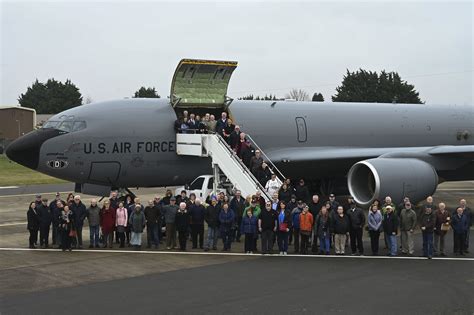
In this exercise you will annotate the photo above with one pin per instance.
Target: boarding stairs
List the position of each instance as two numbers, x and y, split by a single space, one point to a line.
224 160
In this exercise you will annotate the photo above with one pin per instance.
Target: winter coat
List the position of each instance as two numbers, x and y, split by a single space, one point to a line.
428 222
390 223
375 220
302 193
340 225
64 218
238 206
44 215
287 219
323 225
182 221
153 215
249 225
137 221
268 219
407 219
285 195
226 219
295 217
121 217
80 213
197 214
356 217
460 224
107 220
211 216
93 215
306 221
255 163
33 220
169 212
440 219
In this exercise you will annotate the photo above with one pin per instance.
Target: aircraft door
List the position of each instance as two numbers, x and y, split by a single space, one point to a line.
106 172
301 132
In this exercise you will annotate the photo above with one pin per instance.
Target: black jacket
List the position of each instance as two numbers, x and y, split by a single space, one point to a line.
390 223
428 221
340 225
268 219
44 215
211 216
323 226
33 220
238 206
356 217
153 214
80 212
182 221
302 193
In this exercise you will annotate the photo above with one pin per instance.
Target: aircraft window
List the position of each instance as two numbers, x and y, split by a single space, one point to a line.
79 125
65 126
197 184
50 124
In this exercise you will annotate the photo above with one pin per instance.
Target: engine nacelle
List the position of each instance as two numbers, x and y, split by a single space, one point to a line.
395 177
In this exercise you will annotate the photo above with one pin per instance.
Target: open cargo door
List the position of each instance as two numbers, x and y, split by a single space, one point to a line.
201 83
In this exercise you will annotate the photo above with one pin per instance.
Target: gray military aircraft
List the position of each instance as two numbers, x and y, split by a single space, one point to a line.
372 149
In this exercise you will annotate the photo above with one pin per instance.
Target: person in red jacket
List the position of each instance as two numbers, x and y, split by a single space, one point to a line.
107 223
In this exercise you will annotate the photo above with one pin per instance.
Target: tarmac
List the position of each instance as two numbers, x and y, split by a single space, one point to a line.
171 282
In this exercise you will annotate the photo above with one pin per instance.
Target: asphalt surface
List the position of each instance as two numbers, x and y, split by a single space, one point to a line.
270 285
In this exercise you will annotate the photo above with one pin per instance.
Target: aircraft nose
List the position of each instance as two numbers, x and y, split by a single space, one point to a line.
26 149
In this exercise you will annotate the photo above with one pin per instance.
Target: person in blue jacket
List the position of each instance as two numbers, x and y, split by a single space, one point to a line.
249 229
226 219
460 225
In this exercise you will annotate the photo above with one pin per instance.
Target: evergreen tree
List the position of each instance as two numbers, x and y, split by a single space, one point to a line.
146 93
51 97
318 97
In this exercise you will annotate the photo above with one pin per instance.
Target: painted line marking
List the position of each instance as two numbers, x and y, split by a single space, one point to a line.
229 254
8 187
13 224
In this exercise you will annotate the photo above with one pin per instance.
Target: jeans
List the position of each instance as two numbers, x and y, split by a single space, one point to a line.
296 239
152 235
94 235
356 240
211 237
427 244
79 235
392 243
324 241
249 242
283 241
408 245
267 241
108 238
374 241
197 231
226 232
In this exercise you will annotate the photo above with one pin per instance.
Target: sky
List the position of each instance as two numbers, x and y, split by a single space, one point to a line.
110 49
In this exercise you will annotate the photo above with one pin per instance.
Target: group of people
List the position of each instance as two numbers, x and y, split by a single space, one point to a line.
286 219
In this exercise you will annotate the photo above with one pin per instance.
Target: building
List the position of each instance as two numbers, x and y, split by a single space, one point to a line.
15 121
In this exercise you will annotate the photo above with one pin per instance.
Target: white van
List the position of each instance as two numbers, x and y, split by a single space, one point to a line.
202 187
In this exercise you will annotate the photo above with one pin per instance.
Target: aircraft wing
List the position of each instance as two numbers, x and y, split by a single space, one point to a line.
306 154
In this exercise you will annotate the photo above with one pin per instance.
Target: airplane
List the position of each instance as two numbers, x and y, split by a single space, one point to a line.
369 150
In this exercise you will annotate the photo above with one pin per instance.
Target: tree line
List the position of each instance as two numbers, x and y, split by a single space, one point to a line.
358 86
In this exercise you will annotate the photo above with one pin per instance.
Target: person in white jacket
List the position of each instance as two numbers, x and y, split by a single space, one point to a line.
273 185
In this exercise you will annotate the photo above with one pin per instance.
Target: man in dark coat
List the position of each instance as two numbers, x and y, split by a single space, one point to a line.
357 221
238 205
302 192
221 124
80 212
153 224
234 137
45 218
182 225
211 216
197 213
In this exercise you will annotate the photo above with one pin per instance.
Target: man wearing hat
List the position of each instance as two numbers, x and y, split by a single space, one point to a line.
427 225
169 213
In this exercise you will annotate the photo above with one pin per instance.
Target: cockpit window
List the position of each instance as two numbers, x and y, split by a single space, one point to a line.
51 124
79 125
65 126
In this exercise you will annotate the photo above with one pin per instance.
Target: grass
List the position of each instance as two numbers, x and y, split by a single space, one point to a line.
14 174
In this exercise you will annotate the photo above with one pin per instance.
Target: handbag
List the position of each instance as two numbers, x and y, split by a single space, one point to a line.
283 227
445 227
72 233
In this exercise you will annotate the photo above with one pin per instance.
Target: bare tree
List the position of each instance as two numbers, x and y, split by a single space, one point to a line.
88 100
298 95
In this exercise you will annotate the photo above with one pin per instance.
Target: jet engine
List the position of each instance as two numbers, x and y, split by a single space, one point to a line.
395 177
